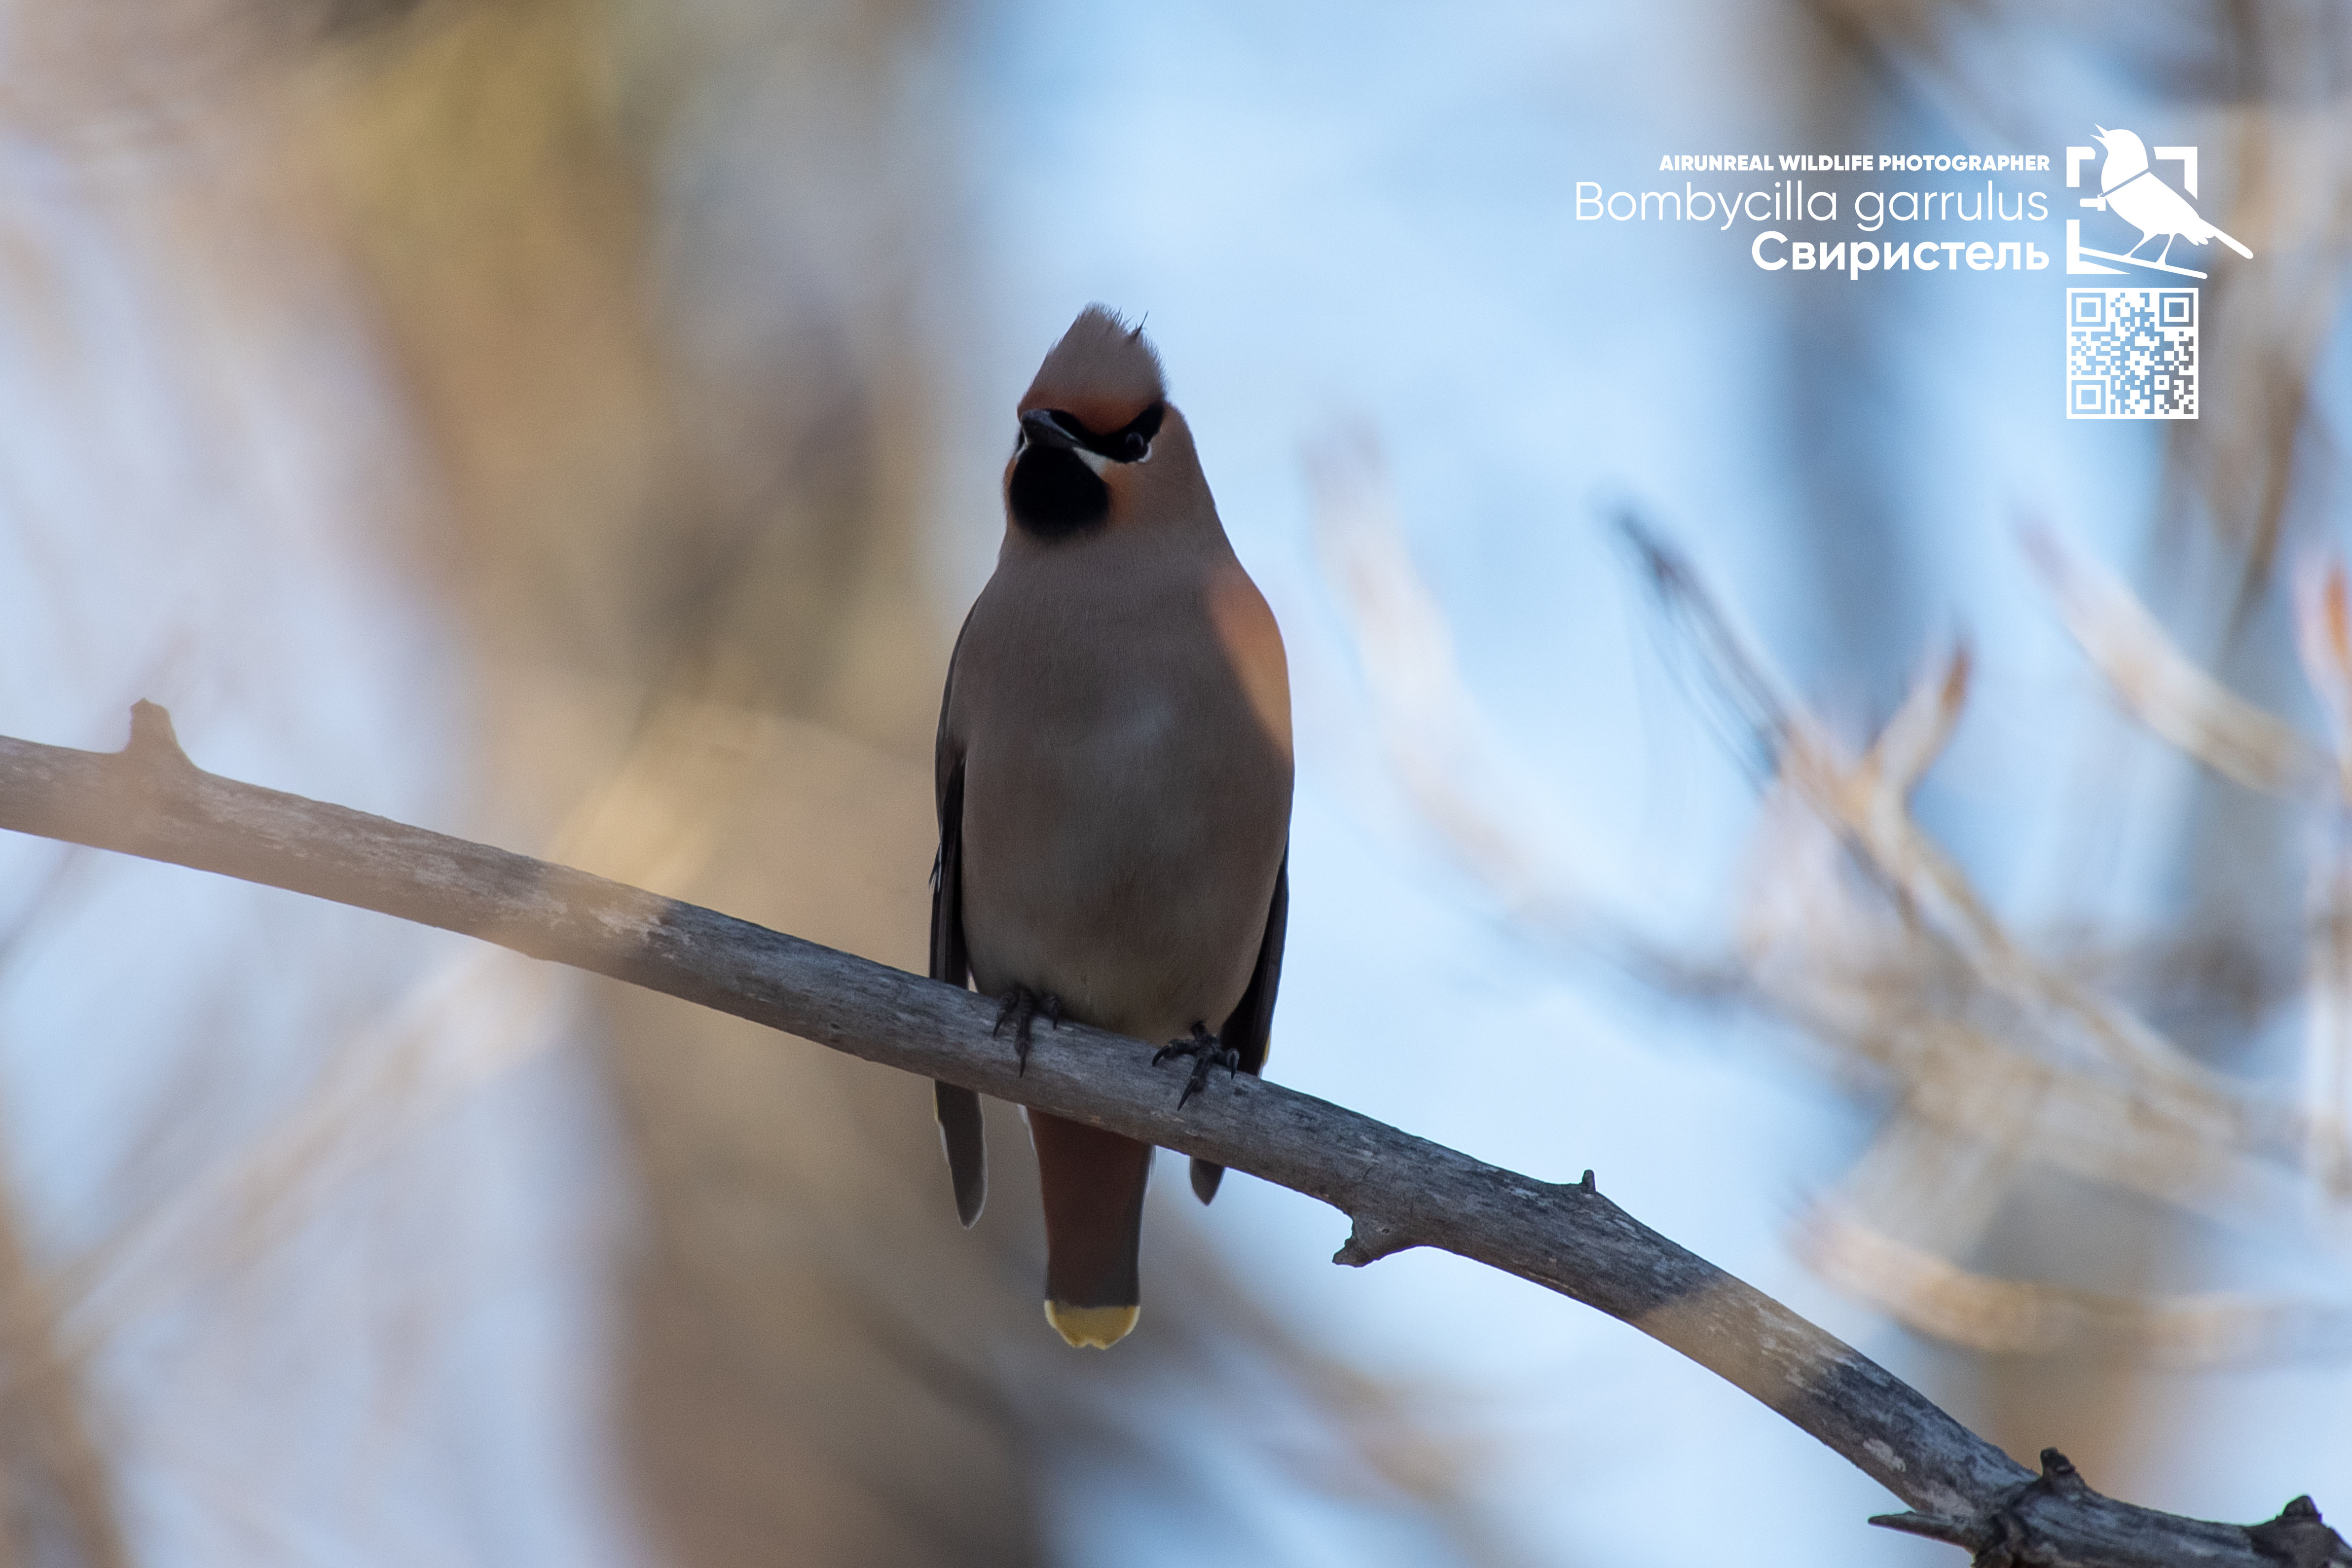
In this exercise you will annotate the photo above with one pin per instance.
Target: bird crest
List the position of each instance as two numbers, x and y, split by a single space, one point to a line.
1103 372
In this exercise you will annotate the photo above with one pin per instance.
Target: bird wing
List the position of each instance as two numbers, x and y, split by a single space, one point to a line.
959 1109
1248 1031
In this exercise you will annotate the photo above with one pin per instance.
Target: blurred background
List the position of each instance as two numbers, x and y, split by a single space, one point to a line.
1750 744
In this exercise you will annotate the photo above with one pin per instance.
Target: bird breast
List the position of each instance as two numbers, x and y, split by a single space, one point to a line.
1125 802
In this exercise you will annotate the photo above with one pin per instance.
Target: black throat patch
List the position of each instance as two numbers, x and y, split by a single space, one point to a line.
1055 494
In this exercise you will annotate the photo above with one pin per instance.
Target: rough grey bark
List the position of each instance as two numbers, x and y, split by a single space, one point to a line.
1400 1191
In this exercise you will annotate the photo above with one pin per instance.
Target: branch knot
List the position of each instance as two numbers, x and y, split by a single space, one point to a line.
2059 1478
1371 1239
2299 1538
154 744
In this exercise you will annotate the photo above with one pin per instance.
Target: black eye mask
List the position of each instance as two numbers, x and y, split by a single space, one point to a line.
1129 443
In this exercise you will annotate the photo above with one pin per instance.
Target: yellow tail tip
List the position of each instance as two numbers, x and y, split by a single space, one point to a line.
1101 1327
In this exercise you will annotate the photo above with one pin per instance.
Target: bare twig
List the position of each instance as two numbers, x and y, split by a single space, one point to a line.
1400 1191
2002 1057
2166 690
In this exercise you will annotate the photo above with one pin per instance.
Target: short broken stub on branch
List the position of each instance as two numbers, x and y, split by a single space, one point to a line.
1371 1238
1373 1235
2056 1521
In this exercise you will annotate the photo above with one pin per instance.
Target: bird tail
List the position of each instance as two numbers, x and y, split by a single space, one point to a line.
1093 1183
2232 243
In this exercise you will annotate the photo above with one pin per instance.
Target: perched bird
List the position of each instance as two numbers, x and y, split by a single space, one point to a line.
2134 193
1114 774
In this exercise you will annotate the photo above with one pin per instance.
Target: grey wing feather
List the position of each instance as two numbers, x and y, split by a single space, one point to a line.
959 1109
1247 1032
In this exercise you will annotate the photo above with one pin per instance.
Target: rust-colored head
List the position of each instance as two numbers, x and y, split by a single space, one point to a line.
1100 447
1103 372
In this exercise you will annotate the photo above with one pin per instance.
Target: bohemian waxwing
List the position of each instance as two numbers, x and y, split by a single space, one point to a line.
1114 773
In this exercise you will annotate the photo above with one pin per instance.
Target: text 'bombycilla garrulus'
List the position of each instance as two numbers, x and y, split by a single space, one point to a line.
1114 778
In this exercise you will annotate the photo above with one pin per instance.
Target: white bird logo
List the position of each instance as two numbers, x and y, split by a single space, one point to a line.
2130 189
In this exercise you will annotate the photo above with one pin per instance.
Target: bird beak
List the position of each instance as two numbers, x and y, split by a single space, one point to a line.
1044 430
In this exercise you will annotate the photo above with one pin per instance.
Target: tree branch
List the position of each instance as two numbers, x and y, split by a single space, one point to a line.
1400 1191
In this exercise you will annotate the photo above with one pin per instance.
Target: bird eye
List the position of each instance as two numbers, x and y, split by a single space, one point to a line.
1133 444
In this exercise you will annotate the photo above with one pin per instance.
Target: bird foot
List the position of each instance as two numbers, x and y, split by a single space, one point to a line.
1021 1008
1207 1051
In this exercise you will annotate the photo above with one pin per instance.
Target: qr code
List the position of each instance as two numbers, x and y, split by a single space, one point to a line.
2131 353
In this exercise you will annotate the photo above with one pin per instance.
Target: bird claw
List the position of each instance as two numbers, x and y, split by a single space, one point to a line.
1207 1051
1021 1006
